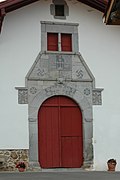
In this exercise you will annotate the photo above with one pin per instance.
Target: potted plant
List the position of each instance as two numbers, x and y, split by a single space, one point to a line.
21 166
111 164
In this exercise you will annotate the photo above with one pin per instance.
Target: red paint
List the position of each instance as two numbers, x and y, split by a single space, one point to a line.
60 133
66 42
52 41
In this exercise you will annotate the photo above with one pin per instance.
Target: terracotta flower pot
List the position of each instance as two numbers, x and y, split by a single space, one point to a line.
111 164
21 169
21 166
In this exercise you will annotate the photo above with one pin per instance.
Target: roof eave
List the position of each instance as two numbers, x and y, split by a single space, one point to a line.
2 15
11 5
112 14
99 5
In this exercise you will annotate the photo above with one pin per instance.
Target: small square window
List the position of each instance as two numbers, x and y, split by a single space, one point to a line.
59 10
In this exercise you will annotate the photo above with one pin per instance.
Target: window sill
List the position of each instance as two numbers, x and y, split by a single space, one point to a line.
60 52
60 17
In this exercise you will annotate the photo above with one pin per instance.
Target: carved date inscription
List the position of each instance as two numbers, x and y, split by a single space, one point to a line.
60 89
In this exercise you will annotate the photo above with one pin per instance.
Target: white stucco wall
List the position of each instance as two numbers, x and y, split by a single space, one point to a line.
20 43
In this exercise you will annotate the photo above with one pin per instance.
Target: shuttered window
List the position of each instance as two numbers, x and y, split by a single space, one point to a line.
52 41
65 42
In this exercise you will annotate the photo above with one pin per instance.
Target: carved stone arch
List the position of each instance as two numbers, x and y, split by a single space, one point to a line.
42 95
83 104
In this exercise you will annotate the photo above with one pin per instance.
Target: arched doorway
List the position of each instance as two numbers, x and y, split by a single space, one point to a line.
60 137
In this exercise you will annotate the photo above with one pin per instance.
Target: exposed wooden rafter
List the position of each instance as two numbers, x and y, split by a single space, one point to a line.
2 14
11 5
97 4
112 14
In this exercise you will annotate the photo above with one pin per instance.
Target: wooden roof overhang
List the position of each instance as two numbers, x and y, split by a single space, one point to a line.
100 5
11 5
112 14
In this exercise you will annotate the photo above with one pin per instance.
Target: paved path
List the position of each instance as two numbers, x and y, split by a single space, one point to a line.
60 176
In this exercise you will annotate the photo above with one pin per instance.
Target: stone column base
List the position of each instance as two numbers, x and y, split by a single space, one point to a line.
34 166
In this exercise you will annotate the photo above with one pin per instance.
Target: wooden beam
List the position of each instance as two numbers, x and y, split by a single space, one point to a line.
11 5
109 11
97 4
2 15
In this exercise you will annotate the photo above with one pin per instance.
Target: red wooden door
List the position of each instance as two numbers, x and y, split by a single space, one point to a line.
60 133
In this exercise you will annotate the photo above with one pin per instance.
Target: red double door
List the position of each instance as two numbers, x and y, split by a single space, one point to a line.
60 138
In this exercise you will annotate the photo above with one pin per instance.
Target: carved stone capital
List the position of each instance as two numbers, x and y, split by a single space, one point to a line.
97 96
22 95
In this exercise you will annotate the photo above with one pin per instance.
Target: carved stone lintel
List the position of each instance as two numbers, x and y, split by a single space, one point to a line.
60 88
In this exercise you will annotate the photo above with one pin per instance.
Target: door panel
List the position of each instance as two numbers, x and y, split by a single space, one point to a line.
49 137
60 133
71 152
71 133
71 121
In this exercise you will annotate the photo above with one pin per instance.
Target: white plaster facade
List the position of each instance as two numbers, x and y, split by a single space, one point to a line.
20 43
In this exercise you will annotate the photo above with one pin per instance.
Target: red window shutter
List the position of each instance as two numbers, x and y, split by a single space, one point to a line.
52 41
66 42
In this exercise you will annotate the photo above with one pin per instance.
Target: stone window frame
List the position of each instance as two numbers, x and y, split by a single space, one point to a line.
60 28
59 3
